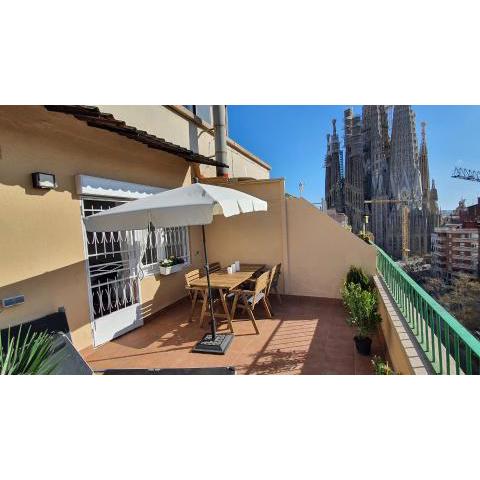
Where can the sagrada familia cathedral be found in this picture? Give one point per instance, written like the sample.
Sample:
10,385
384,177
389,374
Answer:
386,168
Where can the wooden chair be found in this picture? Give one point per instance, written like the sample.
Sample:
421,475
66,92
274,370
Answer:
193,292
251,298
274,281
214,267
272,274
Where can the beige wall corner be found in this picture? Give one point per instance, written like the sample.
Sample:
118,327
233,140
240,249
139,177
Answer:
320,251
405,355
252,237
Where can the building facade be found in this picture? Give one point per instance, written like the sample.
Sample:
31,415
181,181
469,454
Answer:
391,172
470,213
455,251
98,157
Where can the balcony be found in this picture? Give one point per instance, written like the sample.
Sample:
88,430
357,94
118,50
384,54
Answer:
306,335
470,238
467,266
466,248
309,335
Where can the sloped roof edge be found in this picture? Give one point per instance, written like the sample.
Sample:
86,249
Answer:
106,121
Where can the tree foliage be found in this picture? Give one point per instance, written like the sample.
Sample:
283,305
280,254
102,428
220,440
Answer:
460,296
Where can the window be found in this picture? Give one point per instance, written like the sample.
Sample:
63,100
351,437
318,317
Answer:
202,111
162,243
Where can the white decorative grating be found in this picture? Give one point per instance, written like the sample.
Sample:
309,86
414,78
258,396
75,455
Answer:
113,259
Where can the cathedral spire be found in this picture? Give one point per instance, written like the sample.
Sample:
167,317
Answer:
433,191
423,164
333,178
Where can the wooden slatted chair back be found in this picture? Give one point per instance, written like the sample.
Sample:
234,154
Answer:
262,283
214,267
272,272
274,282
190,276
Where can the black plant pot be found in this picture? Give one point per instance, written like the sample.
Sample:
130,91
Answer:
363,344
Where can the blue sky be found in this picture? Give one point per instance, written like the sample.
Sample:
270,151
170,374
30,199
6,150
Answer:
292,139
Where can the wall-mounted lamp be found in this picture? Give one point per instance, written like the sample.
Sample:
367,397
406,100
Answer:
43,180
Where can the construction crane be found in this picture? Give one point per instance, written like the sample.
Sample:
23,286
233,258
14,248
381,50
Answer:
466,174
405,222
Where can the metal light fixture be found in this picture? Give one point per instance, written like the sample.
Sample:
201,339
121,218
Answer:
45,181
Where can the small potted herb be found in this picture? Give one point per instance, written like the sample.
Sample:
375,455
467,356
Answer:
381,366
171,265
362,314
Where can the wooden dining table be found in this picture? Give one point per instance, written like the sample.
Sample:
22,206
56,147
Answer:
225,282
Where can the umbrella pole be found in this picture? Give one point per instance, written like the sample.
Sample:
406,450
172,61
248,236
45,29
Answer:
209,289
212,343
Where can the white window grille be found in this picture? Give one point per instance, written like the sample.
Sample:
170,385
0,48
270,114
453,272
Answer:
113,283
113,286
163,243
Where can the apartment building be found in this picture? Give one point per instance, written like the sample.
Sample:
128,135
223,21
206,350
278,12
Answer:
455,250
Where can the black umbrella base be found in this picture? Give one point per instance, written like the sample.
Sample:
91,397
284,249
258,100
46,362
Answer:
218,346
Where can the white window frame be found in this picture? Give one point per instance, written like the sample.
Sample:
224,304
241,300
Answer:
88,186
180,249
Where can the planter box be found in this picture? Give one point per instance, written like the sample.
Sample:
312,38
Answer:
172,269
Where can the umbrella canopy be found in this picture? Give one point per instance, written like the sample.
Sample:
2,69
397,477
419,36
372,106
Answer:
194,204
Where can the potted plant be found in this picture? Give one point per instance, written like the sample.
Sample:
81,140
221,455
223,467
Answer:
171,265
363,314
381,366
357,275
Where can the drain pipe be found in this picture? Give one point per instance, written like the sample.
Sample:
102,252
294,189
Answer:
220,126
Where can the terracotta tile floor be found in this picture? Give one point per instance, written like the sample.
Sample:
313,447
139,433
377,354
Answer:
306,336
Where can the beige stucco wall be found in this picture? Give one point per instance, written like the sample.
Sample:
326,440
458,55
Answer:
169,124
320,251
253,237
41,242
315,251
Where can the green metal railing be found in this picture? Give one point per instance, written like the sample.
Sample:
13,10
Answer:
448,345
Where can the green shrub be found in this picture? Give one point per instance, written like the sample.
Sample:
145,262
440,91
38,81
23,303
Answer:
362,309
357,275
381,366
29,354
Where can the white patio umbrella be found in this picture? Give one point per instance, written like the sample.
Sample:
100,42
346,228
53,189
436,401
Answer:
194,204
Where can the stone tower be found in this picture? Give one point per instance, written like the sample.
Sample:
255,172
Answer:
376,168
406,185
423,163
430,195
354,170
333,176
